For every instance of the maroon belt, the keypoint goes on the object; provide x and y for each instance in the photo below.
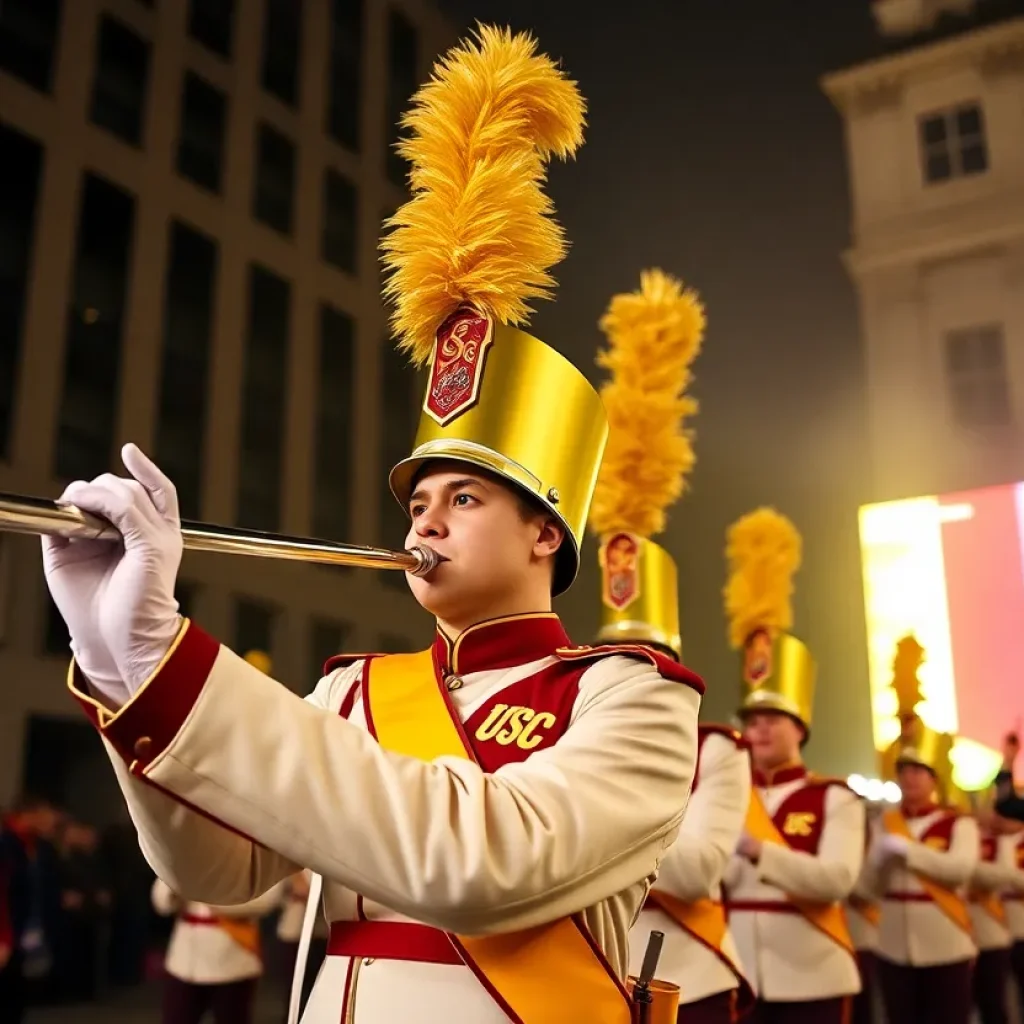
(908, 897)
(762, 907)
(196, 919)
(391, 940)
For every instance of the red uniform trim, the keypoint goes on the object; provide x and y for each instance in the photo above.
(667, 667)
(713, 729)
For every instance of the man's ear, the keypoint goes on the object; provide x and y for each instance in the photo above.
(550, 538)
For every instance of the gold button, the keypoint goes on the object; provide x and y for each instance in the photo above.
(453, 683)
(143, 747)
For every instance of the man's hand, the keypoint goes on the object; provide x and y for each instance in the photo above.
(749, 847)
(888, 848)
(118, 599)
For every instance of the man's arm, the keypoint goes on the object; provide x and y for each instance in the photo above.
(830, 874)
(442, 842)
(693, 867)
(198, 856)
(952, 867)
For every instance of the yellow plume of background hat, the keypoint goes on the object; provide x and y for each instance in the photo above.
(467, 253)
(764, 550)
(654, 334)
(917, 744)
(259, 660)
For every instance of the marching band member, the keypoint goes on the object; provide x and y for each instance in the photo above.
(922, 854)
(992, 876)
(1013, 902)
(803, 845)
(653, 335)
(214, 961)
(486, 814)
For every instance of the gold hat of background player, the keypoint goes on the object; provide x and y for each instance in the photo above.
(653, 334)
(467, 252)
(778, 672)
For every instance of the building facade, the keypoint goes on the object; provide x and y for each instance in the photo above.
(194, 193)
(935, 148)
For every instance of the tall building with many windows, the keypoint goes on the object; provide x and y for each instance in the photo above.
(192, 200)
(935, 148)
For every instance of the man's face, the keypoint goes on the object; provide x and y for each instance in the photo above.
(476, 524)
(916, 783)
(774, 738)
(44, 820)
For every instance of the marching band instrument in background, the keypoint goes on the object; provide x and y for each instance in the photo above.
(23, 514)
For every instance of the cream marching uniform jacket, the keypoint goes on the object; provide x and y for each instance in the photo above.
(862, 916)
(913, 929)
(692, 870)
(1013, 894)
(992, 875)
(201, 952)
(786, 956)
(583, 764)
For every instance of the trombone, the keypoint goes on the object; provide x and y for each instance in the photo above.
(42, 517)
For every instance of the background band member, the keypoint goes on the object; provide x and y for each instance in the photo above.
(214, 959)
(1013, 902)
(921, 856)
(485, 813)
(802, 849)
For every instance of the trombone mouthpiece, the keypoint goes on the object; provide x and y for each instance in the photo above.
(427, 560)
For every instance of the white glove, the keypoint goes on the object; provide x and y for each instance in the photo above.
(889, 847)
(118, 599)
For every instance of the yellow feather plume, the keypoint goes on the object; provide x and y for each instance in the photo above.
(478, 229)
(905, 684)
(763, 550)
(654, 334)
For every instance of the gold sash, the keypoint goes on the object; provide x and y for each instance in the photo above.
(945, 899)
(547, 973)
(245, 933)
(826, 917)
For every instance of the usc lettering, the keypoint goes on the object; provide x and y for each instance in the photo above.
(512, 723)
(799, 823)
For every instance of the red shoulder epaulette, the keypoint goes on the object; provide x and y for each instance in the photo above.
(714, 729)
(337, 661)
(824, 781)
(667, 667)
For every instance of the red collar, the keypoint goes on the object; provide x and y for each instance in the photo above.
(922, 812)
(783, 774)
(501, 643)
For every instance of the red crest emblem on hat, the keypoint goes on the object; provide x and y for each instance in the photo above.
(460, 350)
(620, 561)
(757, 658)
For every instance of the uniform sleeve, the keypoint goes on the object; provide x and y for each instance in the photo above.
(259, 907)
(441, 842)
(829, 875)
(952, 867)
(694, 866)
(165, 901)
(200, 857)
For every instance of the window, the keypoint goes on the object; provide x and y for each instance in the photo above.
(188, 324)
(22, 161)
(338, 243)
(953, 144)
(275, 179)
(403, 78)
(326, 639)
(346, 68)
(28, 40)
(212, 23)
(201, 135)
(254, 627)
(282, 33)
(121, 81)
(263, 402)
(92, 363)
(401, 398)
(334, 425)
(976, 372)
(56, 638)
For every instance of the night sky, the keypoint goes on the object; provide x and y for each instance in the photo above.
(712, 153)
